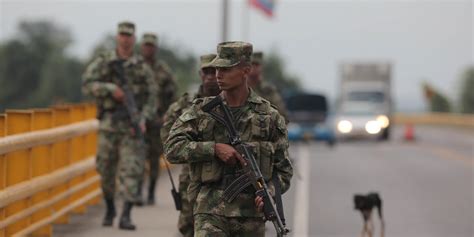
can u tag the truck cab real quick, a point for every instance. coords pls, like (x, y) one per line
(364, 107)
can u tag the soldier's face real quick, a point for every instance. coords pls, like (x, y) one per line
(125, 41)
(148, 50)
(255, 74)
(256, 70)
(209, 80)
(232, 77)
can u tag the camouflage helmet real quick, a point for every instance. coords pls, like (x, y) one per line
(232, 53)
(126, 27)
(257, 57)
(150, 38)
(206, 60)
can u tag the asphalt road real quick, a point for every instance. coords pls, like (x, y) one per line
(427, 188)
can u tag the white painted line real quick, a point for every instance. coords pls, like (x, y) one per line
(301, 213)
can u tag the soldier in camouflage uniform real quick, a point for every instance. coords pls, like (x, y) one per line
(202, 142)
(167, 95)
(119, 151)
(208, 87)
(263, 88)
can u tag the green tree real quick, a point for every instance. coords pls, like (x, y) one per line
(35, 70)
(274, 71)
(467, 91)
(437, 101)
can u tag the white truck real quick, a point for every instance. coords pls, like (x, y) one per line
(364, 106)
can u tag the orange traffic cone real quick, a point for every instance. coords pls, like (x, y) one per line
(409, 132)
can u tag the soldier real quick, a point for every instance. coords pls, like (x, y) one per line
(119, 150)
(208, 87)
(202, 142)
(263, 88)
(167, 88)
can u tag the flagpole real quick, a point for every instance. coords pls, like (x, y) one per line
(225, 17)
(246, 21)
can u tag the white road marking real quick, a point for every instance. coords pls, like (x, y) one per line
(301, 213)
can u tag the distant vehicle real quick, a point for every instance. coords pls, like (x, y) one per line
(364, 107)
(308, 115)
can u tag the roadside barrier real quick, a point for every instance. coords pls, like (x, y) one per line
(47, 167)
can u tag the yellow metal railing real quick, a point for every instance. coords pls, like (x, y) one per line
(47, 168)
(464, 120)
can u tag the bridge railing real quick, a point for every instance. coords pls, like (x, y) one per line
(449, 119)
(47, 167)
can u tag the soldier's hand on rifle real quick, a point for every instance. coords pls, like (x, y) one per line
(228, 154)
(259, 203)
(118, 94)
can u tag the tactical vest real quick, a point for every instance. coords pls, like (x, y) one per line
(136, 78)
(255, 130)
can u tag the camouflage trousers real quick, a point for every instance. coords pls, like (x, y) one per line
(185, 222)
(119, 157)
(154, 151)
(214, 225)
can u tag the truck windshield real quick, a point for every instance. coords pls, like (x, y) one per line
(358, 109)
(369, 96)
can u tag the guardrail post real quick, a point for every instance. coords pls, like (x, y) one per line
(91, 149)
(61, 158)
(2, 171)
(17, 165)
(42, 164)
(78, 113)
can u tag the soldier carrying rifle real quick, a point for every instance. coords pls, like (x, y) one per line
(125, 92)
(216, 163)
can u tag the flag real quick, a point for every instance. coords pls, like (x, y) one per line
(266, 6)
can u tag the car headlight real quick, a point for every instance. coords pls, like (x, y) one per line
(372, 127)
(344, 126)
(383, 121)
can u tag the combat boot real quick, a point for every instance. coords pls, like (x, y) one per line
(125, 220)
(151, 192)
(109, 213)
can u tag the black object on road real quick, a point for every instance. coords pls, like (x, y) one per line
(365, 204)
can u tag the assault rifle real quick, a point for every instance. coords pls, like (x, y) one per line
(133, 114)
(130, 109)
(251, 172)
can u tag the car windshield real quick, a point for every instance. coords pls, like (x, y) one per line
(307, 102)
(369, 96)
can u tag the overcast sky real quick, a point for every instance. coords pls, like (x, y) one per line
(425, 40)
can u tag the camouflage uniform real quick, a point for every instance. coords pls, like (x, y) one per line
(185, 222)
(118, 150)
(192, 139)
(268, 91)
(167, 87)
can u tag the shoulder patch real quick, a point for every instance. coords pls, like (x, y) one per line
(264, 107)
(187, 116)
